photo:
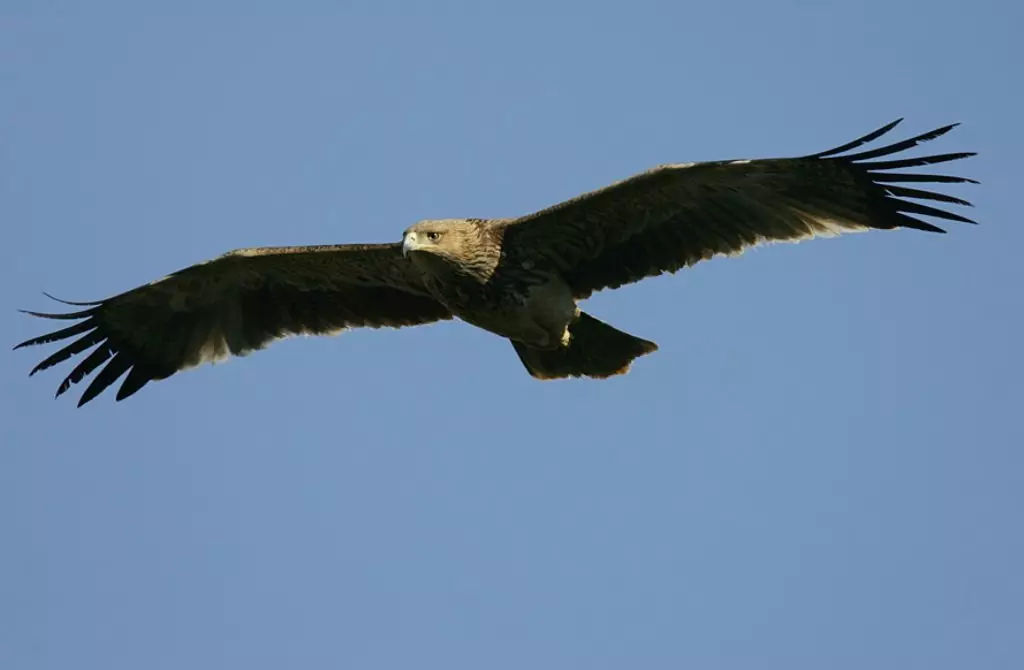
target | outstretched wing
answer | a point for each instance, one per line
(674, 216)
(235, 304)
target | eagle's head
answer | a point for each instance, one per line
(434, 237)
(442, 245)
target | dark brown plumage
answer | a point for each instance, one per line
(518, 278)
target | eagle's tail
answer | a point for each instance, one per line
(595, 349)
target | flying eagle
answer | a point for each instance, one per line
(518, 278)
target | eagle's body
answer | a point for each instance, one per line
(519, 278)
(534, 313)
(502, 293)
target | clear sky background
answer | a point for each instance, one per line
(822, 467)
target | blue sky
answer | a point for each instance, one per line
(820, 468)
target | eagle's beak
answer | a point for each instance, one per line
(408, 243)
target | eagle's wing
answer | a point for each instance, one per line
(674, 216)
(235, 304)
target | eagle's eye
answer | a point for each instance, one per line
(433, 236)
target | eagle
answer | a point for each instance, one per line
(519, 278)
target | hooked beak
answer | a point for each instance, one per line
(409, 243)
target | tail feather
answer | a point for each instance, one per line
(595, 349)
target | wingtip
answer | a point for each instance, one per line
(30, 342)
(860, 141)
(886, 128)
(67, 316)
(71, 302)
(938, 132)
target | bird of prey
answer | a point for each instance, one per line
(518, 278)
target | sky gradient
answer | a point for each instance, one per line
(821, 467)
